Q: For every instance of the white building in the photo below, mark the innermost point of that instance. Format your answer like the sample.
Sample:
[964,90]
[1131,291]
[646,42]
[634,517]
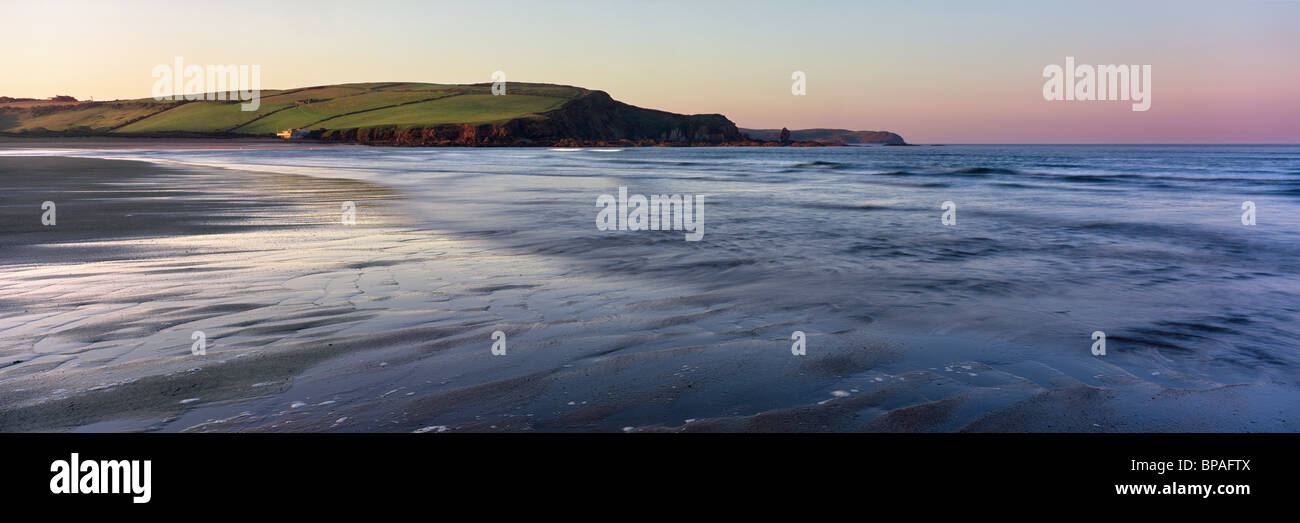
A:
[290,134]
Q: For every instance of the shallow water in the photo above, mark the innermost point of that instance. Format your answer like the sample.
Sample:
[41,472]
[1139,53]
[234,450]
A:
[911,324]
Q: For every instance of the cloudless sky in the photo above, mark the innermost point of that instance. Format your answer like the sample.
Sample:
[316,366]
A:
[935,72]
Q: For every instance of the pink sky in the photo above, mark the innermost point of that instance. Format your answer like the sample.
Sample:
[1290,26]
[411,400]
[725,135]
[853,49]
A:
[935,72]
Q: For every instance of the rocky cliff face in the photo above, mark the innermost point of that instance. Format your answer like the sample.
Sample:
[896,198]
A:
[592,119]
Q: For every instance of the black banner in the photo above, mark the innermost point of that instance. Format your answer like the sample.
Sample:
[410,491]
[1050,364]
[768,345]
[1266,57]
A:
[319,472]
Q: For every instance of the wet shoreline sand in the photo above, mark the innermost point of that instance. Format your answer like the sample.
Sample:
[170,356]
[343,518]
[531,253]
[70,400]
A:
[113,142]
[95,308]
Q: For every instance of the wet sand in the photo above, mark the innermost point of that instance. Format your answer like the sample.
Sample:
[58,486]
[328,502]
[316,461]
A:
[97,311]
[112,142]
[383,326]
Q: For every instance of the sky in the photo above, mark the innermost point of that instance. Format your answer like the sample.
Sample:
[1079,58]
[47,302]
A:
[934,72]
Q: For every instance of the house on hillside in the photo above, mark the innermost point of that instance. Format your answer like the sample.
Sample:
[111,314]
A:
[292,134]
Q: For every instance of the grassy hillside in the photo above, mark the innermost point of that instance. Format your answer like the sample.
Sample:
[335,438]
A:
[196,117]
[393,113]
[348,106]
[469,108]
[95,117]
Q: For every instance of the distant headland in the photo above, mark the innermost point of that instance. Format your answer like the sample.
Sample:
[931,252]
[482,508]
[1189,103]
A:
[830,136]
[409,114]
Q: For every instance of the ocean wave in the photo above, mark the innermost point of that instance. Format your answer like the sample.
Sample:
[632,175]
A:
[983,170]
[819,164]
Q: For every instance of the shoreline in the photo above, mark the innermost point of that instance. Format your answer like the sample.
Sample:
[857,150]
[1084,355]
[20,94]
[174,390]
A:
[385,327]
[125,142]
[99,308]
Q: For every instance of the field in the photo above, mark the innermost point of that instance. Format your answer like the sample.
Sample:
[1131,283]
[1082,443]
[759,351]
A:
[346,106]
[199,117]
[98,117]
[319,114]
[470,108]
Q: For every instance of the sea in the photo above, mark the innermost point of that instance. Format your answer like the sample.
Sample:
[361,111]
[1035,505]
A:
[923,288]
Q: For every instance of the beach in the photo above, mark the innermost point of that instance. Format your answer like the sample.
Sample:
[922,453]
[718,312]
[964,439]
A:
[141,256]
[388,325]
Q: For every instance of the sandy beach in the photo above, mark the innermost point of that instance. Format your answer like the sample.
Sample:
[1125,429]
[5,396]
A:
[386,326]
[98,310]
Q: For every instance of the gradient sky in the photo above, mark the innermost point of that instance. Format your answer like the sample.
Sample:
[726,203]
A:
[935,72]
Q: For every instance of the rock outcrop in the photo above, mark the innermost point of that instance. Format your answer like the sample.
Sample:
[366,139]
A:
[594,119]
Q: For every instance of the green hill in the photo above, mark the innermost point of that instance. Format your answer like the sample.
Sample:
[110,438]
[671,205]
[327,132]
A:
[396,113]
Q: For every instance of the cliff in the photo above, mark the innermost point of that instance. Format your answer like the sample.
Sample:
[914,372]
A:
[408,114]
[593,118]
